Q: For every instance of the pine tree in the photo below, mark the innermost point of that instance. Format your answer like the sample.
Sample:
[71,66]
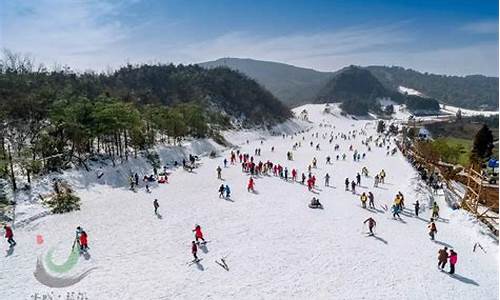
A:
[483,144]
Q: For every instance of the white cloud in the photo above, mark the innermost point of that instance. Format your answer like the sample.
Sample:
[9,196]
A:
[92,35]
[481,27]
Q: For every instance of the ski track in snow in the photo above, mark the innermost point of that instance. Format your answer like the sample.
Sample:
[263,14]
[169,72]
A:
[276,247]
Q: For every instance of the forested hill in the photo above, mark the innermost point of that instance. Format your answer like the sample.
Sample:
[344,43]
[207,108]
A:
[295,86]
[359,93]
[292,85]
[357,89]
[50,119]
[471,91]
[219,89]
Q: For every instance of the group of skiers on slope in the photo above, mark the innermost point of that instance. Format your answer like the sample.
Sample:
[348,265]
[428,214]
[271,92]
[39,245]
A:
[370,198]
[81,239]
[443,258]
[224,189]
[198,235]
[379,178]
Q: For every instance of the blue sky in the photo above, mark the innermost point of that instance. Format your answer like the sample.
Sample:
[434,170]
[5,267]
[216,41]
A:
[445,37]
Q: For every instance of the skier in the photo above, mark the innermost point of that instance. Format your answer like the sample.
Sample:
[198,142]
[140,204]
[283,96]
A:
[221,191]
[79,231]
[435,211]
[453,260]
[376,181]
[228,191]
[156,205]
[346,184]
[250,186]
[432,229]
[395,211]
[358,179]
[442,257]
[417,207]
[303,178]
[225,162]
[371,224]
[83,241]
[327,179]
[219,172]
[353,187]
[9,235]
[382,176]
[198,234]
[194,249]
[147,188]
[363,198]
[371,203]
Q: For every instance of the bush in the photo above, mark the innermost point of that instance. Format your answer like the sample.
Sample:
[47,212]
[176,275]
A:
[153,158]
[63,203]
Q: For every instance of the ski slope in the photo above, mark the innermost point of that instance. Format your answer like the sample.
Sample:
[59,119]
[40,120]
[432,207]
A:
[275,246]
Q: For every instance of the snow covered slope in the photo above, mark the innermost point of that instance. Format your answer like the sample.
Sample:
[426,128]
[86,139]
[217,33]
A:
[275,246]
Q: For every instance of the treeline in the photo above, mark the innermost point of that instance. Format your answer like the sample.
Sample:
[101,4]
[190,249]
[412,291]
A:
[359,92]
[417,103]
[468,92]
[52,119]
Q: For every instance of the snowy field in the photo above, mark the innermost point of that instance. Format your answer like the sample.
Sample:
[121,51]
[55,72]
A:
[275,246]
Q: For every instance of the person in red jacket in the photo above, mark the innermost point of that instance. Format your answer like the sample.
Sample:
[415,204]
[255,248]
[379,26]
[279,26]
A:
[198,234]
[83,241]
[453,260]
[194,249]
[251,184]
[9,235]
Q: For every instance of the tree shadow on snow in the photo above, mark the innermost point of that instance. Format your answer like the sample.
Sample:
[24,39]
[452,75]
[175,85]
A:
[464,279]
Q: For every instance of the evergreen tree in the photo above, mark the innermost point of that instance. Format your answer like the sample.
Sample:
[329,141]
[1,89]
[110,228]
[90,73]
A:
[483,144]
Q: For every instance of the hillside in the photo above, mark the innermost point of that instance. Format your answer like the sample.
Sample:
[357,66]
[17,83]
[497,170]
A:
[357,89]
[218,90]
[295,86]
[474,91]
[291,85]
[274,245]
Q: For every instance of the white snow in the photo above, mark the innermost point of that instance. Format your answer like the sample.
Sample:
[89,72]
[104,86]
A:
[276,247]
[466,112]
[409,91]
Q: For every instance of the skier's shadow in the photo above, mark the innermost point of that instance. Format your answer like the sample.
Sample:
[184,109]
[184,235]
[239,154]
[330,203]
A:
[443,243]
[203,247]
[375,210]
[159,216]
[464,279]
[228,199]
[380,239]
[200,266]
[9,251]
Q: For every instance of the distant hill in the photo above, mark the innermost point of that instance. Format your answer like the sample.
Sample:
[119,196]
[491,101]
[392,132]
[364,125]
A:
[474,91]
[292,85]
[296,86]
[357,89]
